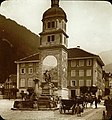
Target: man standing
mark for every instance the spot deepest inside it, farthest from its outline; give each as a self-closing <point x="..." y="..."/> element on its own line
<point x="96" y="102"/>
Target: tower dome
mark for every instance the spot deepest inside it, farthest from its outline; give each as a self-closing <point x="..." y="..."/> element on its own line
<point x="55" y="11"/>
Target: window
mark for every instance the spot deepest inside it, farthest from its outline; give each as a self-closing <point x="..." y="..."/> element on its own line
<point x="81" y="82"/>
<point x="81" y="62"/>
<point x="73" y="83"/>
<point x="22" y="82"/>
<point x="48" y="38"/>
<point x="22" y="71"/>
<point x="81" y="72"/>
<point x="30" y="82"/>
<point x="73" y="63"/>
<point x="88" y="72"/>
<point x="53" y="24"/>
<point x="88" y="83"/>
<point x="52" y="37"/>
<point x="73" y="73"/>
<point x="49" y="24"/>
<point x="89" y="62"/>
<point x="30" y="70"/>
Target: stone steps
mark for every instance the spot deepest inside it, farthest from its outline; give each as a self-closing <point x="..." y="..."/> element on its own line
<point x="45" y="91"/>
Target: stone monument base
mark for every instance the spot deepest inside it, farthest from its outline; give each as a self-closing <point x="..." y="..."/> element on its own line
<point x="45" y="100"/>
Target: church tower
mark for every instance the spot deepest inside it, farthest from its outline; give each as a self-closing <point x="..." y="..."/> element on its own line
<point x="53" y="42"/>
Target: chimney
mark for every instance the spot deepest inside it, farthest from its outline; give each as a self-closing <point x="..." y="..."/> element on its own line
<point x="78" y="47"/>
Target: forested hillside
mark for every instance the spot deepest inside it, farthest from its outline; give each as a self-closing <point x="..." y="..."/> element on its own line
<point x="15" y="42"/>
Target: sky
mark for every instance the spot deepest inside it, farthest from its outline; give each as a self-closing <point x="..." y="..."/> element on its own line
<point x="89" y="22"/>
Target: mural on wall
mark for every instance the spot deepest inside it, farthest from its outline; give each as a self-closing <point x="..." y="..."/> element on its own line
<point x="50" y="69"/>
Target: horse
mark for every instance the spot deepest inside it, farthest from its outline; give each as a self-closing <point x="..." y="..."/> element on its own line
<point x="80" y="100"/>
<point x="89" y="99"/>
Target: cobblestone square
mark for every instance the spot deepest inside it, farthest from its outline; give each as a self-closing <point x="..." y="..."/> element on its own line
<point x="5" y="111"/>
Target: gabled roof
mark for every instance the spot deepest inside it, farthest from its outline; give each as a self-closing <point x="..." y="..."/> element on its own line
<point x="78" y="53"/>
<point x="31" y="58"/>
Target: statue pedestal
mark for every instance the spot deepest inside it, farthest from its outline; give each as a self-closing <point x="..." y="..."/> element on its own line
<point x="46" y="89"/>
<point x="45" y="101"/>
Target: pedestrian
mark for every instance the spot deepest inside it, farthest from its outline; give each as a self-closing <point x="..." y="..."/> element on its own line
<point x="78" y="110"/>
<point x="103" y="115"/>
<point x="96" y="101"/>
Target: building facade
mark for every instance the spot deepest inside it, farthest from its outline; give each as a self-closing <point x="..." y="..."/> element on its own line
<point x="10" y="87"/>
<point x="68" y="69"/>
<point x="27" y="72"/>
<point x="84" y="69"/>
<point x="107" y="77"/>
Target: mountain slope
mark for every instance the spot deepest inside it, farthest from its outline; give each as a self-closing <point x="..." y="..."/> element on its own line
<point x="15" y="42"/>
<point x="106" y="56"/>
<point x="108" y="68"/>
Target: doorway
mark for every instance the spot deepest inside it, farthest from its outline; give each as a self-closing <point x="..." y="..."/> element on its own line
<point x="73" y="93"/>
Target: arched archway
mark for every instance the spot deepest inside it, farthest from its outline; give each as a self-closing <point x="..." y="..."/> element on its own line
<point x="50" y="64"/>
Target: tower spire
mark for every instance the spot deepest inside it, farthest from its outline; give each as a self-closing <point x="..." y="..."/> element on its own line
<point x="54" y="3"/>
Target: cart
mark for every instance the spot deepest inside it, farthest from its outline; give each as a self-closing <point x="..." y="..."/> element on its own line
<point x="67" y="104"/>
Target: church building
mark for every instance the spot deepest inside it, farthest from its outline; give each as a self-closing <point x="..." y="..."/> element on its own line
<point x="69" y="69"/>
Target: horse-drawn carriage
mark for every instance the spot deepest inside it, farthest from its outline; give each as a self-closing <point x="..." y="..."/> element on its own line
<point x="71" y="105"/>
<point x="66" y="104"/>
